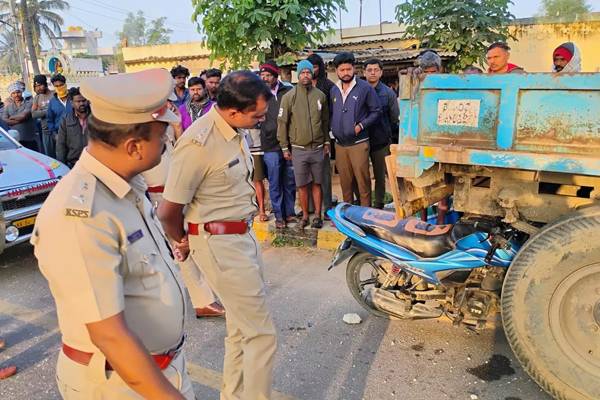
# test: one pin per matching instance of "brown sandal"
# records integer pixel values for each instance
(279, 224)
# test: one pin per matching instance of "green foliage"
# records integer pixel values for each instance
(466, 27)
(568, 9)
(140, 32)
(284, 241)
(43, 18)
(9, 60)
(241, 31)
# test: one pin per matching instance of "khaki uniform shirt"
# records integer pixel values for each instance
(211, 171)
(103, 252)
(158, 175)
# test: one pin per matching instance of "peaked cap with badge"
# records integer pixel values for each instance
(132, 98)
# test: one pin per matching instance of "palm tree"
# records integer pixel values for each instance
(9, 59)
(38, 17)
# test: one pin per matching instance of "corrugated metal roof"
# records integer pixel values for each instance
(350, 42)
(385, 55)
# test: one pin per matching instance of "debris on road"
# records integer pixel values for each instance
(352, 319)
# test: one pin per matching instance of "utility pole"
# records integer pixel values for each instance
(19, 43)
(360, 13)
(28, 37)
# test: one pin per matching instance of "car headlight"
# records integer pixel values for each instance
(12, 233)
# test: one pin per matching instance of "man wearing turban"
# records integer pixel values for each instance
(566, 58)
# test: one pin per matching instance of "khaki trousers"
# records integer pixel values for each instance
(197, 287)
(81, 382)
(379, 169)
(352, 162)
(200, 293)
(232, 265)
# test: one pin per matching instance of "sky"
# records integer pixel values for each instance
(108, 15)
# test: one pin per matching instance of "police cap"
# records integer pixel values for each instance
(132, 98)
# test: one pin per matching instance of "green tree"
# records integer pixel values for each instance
(466, 27)
(137, 31)
(9, 59)
(39, 18)
(569, 9)
(241, 31)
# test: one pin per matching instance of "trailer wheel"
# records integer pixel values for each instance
(551, 306)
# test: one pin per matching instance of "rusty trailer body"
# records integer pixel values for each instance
(521, 146)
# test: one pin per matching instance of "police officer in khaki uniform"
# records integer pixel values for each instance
(210, 172)
(119, 296)
(203, 299)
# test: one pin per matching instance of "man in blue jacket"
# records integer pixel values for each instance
(354, 109)
(57, 106)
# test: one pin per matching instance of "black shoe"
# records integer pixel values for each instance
(317, 223)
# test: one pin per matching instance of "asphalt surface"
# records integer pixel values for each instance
(320, 357)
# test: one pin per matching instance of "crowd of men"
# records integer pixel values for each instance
(52, 122)
(171, 173)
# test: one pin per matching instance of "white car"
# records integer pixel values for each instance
(26, 179)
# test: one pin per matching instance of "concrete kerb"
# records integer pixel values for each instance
(326, 238)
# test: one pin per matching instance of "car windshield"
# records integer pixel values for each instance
(5, 142)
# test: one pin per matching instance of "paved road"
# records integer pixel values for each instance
(320, 357)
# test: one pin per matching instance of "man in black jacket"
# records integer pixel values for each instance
(282, 186)
(380, 133)
(72, 137)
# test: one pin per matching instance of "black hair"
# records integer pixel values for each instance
(344, 58)
(373, 61)
(74, 91)
(240, 90)
(196, 80)
(473, 70)
(40, 80)
(115, 134)
(213, 72)
(498, 45)
(58, 78)
(316, 59)
(180, 70)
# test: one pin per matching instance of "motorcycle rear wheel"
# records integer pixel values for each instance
(360, 263)
(551, 306)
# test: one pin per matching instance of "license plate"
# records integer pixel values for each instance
(458, 113)
(22, 223)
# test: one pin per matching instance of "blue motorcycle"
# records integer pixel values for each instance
(410, 269)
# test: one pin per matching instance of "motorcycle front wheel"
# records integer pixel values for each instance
(363, 272)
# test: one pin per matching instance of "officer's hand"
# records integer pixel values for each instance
(181, 250)
(357, 129)
(326, 149)
(287, 155)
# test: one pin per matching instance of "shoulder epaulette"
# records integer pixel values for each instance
(202, 135)
(80, 201)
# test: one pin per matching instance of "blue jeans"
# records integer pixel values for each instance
(282, 186)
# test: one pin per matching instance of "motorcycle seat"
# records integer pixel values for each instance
(426, 240)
